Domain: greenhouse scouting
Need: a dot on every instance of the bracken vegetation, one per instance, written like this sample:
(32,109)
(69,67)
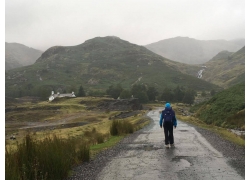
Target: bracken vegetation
(225,109)
(53,157)
(50,155)
(120,127)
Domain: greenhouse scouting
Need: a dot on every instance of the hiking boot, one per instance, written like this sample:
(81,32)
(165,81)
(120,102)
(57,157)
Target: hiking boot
(167,145)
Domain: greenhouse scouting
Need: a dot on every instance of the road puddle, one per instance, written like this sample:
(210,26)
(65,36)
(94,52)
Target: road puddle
(181,162)
(183,130)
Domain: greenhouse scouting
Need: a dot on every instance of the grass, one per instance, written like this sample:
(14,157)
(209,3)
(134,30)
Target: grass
(50,154)
(225,109)
(51,112)
(113,140)
(119,127)
(52,157)
(226,134)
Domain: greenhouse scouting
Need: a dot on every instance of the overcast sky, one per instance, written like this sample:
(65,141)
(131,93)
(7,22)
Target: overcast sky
(44,23)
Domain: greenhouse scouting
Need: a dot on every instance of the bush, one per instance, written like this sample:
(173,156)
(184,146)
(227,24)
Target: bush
(119,127)
(95,137)
(114,128)
(83,153)
(51,158)
(226,108)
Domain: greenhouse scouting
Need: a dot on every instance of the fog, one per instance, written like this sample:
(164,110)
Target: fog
(41,24)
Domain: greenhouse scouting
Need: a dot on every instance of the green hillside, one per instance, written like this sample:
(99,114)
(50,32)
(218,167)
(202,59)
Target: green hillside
(226,109)
(226,68)
(96,64)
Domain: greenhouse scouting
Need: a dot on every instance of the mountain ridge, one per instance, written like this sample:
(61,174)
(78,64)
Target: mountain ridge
(96,64)
(191,51)
(226,68)
(18,55)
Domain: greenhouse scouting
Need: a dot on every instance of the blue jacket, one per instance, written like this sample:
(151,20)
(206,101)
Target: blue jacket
(174,120)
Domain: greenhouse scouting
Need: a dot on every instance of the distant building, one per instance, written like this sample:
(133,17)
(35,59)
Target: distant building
(58,95)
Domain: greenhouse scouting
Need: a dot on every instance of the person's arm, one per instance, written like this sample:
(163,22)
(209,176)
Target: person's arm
(160,122)
(174,121)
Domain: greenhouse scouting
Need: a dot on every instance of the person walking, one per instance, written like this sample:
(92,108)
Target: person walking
(168,121)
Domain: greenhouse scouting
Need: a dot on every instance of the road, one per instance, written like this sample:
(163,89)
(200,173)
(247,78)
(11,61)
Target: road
(146,158)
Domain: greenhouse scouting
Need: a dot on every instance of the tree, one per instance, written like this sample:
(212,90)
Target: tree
(167,95)
(44,92)
(137,89)
(72,88)
(114,91)
(81,92)
(152,93)
(125,94)
(96,93)
(143,98)
(178,94)
(189,97)
(140,91)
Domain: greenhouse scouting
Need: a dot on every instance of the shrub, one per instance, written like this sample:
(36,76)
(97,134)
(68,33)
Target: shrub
(119,127)
(83,153)
(50,158)
(95,137)
(226,108)
(114,128)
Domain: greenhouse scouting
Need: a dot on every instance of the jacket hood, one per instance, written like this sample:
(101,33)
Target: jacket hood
(167,105)
(168,108)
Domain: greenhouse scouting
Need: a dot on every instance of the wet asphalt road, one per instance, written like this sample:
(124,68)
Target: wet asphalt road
(147,158)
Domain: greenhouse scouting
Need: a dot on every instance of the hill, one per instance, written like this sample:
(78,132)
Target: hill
(226,68)
(18,55)
(226,108)
(96,64)
(192,51)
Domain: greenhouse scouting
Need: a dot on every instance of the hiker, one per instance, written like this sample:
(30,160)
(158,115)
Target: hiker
(168,120)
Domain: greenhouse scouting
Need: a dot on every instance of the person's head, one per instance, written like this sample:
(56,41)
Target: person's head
(167,105)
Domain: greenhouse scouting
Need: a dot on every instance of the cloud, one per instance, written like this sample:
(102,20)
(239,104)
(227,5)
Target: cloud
(47,23)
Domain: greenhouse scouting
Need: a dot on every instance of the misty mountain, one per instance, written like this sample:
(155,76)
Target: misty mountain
(192,51)
(96,64)
(18,55)
(226,68)
(240,42)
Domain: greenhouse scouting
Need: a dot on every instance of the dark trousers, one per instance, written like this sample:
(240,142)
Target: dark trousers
(168,131)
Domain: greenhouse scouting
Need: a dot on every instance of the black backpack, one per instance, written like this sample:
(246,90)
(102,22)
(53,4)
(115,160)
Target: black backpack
(167,115)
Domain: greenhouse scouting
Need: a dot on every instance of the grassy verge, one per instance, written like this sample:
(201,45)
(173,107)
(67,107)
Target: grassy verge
(51,158)
(226,134)
(112,141)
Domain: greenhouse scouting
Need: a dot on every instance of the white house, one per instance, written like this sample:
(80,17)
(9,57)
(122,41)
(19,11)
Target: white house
(58,95)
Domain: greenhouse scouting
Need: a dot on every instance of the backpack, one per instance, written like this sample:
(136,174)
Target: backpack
(167,115)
